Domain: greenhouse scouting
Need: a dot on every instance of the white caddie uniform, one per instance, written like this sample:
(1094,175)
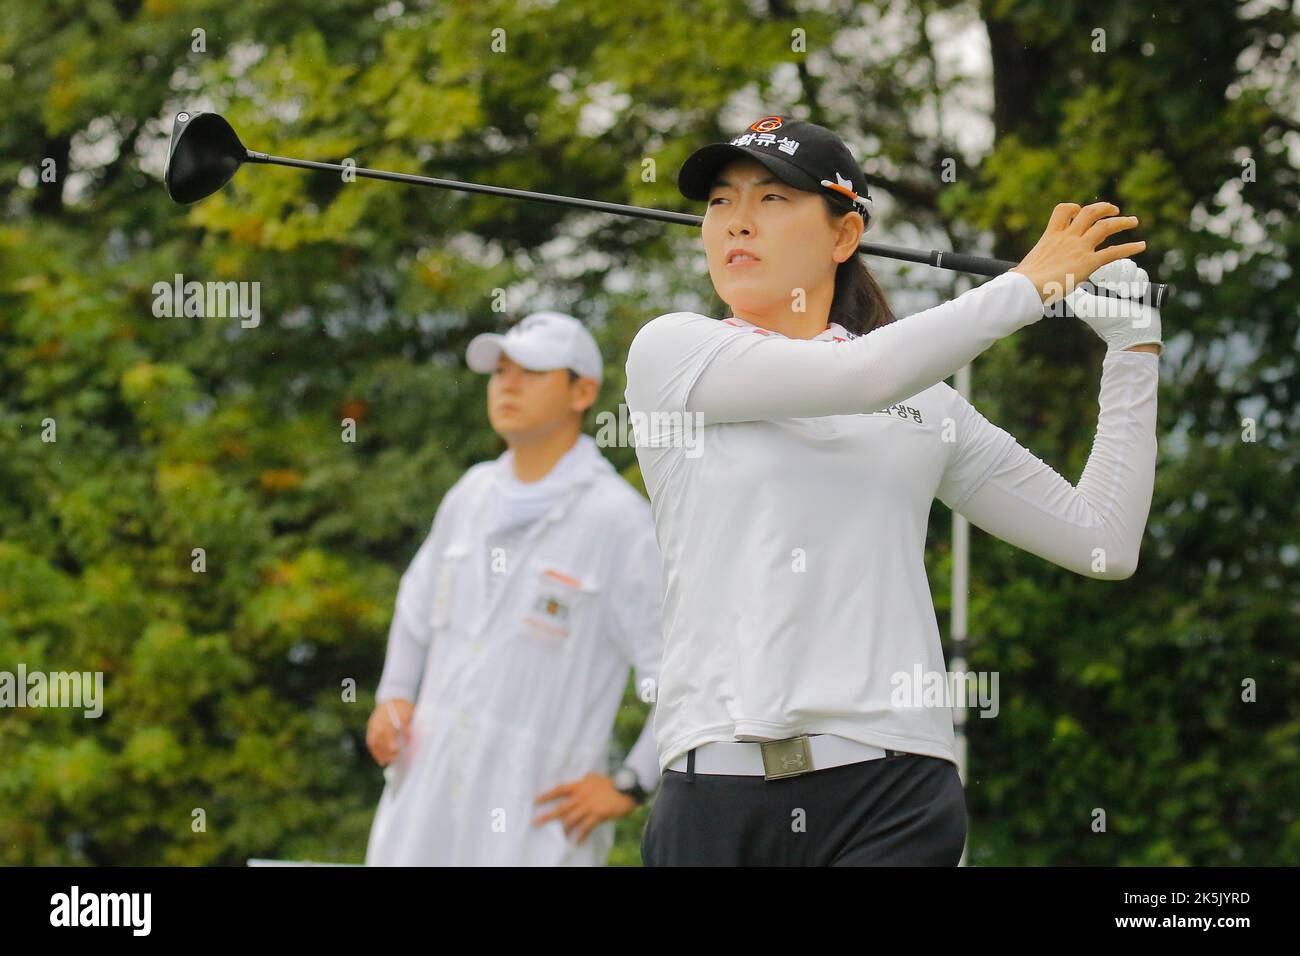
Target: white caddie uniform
(522,671)
(793,524)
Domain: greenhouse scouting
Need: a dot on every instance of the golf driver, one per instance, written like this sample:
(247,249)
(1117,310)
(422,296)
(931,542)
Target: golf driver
(205,153)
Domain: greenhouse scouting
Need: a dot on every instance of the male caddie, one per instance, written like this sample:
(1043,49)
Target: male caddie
(514,628)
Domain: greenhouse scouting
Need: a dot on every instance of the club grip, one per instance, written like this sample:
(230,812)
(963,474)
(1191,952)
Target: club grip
(1155,294)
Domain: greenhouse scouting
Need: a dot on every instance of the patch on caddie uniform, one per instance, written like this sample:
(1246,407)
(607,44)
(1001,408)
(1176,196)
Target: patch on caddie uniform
(550,611)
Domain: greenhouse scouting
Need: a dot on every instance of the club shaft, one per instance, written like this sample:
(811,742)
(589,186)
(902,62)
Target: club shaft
(1154,294)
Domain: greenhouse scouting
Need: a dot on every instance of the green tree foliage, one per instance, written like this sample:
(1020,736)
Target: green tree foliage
(225,688)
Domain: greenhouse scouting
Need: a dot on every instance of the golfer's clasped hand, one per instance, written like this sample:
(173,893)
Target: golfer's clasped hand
(1067,251)
(1120,322)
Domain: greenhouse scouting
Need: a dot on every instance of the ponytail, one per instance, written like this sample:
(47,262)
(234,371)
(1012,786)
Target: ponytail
(859,303)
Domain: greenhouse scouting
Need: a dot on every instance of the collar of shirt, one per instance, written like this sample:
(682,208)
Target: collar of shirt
(514,502)
(834,332)
(572,465)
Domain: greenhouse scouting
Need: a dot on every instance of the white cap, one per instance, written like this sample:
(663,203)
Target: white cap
(540,341)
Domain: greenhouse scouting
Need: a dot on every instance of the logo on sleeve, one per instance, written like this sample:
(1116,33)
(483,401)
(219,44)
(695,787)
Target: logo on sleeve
(905,412)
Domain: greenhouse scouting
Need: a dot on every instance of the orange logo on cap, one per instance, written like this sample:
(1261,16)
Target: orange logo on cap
(766,124)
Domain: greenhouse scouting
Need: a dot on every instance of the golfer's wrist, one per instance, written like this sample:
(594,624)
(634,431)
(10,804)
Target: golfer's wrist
(1037,283)
(1130,340)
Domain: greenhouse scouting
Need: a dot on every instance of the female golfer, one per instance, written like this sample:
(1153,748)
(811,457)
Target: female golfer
(792,453)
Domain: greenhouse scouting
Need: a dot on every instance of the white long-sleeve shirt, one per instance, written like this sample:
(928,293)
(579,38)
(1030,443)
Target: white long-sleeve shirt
(791,483)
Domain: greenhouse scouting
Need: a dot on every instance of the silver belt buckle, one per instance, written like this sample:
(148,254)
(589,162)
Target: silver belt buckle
(786,758)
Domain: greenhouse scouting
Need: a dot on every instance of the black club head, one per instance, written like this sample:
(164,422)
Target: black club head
(204,154)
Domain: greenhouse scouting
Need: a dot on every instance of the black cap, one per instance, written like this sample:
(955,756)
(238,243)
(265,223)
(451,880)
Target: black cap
(802,155)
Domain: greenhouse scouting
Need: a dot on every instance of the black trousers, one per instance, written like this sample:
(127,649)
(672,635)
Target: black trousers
(901,810)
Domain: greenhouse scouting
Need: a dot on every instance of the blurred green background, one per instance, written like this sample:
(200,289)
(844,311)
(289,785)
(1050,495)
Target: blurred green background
(223,689)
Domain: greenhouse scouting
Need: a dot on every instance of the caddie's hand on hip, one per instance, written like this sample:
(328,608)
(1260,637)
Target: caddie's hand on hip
(1067,250)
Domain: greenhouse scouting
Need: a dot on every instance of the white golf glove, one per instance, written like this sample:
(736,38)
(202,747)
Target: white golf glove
(1120,322)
